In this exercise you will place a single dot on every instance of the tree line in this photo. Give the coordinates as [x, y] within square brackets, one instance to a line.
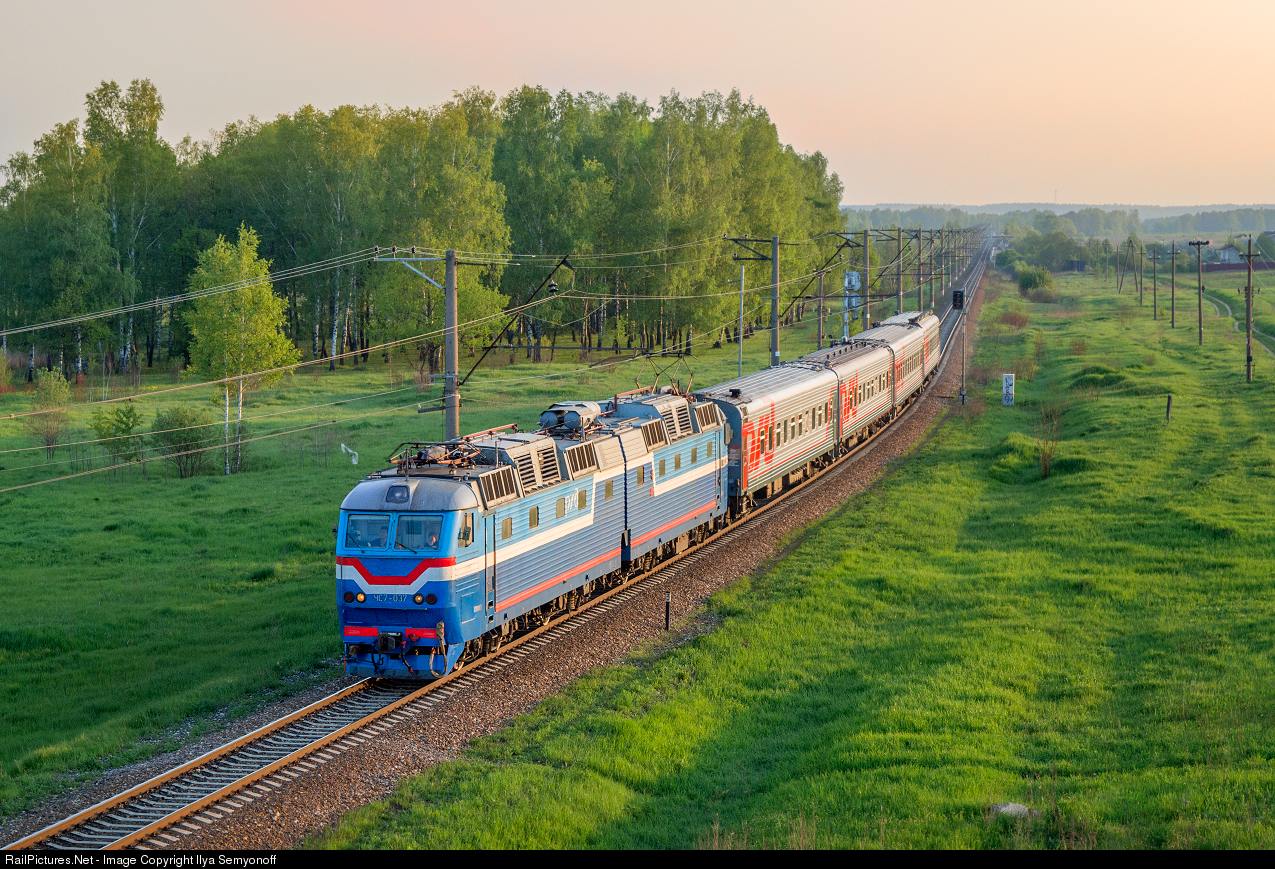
[104, 213]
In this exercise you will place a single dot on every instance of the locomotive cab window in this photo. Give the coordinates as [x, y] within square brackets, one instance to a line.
[418, 533]
[465, 534]
[367, 531]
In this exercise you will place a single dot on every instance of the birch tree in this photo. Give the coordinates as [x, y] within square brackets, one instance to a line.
[239, 334]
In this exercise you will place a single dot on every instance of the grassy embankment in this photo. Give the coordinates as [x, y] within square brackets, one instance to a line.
[143, 611]
[1096, 645]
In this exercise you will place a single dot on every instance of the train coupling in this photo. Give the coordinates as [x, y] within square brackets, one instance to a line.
[389, 642]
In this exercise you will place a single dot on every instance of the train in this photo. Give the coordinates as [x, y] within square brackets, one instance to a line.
[459, 547]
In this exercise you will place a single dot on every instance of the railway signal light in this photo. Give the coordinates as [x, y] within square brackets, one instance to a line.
[958, 299]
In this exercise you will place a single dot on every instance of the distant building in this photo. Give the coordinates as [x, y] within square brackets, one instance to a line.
[1230, 254]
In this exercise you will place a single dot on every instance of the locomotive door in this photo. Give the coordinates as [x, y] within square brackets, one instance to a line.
[489, 569]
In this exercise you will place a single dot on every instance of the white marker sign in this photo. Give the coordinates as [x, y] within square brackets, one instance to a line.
[1007, 390]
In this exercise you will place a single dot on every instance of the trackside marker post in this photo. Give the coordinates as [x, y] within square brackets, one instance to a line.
[1007, 390]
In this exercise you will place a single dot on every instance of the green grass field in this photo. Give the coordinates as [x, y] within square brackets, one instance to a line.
[144, 611]
[1096, 645]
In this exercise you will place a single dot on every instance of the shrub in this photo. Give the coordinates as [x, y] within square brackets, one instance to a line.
[116, 426]
[179, 434]
[1036, 283]
[1078, 347]
[50, 423]
[1013, 319]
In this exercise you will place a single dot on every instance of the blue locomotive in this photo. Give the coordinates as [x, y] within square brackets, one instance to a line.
[460, 546]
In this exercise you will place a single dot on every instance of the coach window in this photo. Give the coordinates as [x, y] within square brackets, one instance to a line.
[677, 462]
[661, 467]
[582, 500]
[561, 508]
[533, 517]
[506, 529]
[772, 438]
[609, 490]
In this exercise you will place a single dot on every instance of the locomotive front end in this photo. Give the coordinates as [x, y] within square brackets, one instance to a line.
[408, 580]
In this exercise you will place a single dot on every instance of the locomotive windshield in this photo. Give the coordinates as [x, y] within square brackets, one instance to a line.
[418, 532]
[367, 531]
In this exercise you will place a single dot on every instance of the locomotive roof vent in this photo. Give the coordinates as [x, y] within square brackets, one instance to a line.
[571, 415]
[736, 392]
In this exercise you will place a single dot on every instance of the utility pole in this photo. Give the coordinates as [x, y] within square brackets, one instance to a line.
[739, 333]
[1248, 315]
[932, 305]
[451, 358]
[867, 280]
[774, 300]
[820, 345]
[1199, 246]
[1173, 286]
[757, 256]
[943, 261]
[899, 275]
[1155, 285]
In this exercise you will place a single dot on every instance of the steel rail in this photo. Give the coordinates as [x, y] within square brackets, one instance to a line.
[276, 752]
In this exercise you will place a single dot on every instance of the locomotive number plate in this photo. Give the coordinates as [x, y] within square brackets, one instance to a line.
[389, 598]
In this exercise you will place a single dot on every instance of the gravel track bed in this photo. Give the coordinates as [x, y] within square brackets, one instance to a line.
[277, 818]
[110, 782]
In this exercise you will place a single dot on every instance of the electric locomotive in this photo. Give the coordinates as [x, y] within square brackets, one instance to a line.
[459, 546]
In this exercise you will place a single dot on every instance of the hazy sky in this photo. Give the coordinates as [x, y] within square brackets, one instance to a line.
[946, 102]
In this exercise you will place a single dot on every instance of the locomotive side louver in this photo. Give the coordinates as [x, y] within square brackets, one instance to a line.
[498, 486]
[548, 460]
[526, 471]
[653, 433]
[706, 416]
[670, 424]
[683, 420]
[580, 459]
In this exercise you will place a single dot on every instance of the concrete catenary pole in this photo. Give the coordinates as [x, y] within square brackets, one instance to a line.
[451, 357]
[1173, 286]
[774, 300]
[867, 280]
[1248, 316]
[898, 303]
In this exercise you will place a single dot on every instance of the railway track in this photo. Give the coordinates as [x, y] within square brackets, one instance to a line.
[223, 780]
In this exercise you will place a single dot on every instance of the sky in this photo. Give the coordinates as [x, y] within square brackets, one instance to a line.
[1156, 103]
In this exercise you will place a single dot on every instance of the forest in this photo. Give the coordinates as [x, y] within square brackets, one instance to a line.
[103, 213]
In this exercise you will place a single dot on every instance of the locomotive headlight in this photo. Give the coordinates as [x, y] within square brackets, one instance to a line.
[360, 597]
[418, 599]
[349, 597]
